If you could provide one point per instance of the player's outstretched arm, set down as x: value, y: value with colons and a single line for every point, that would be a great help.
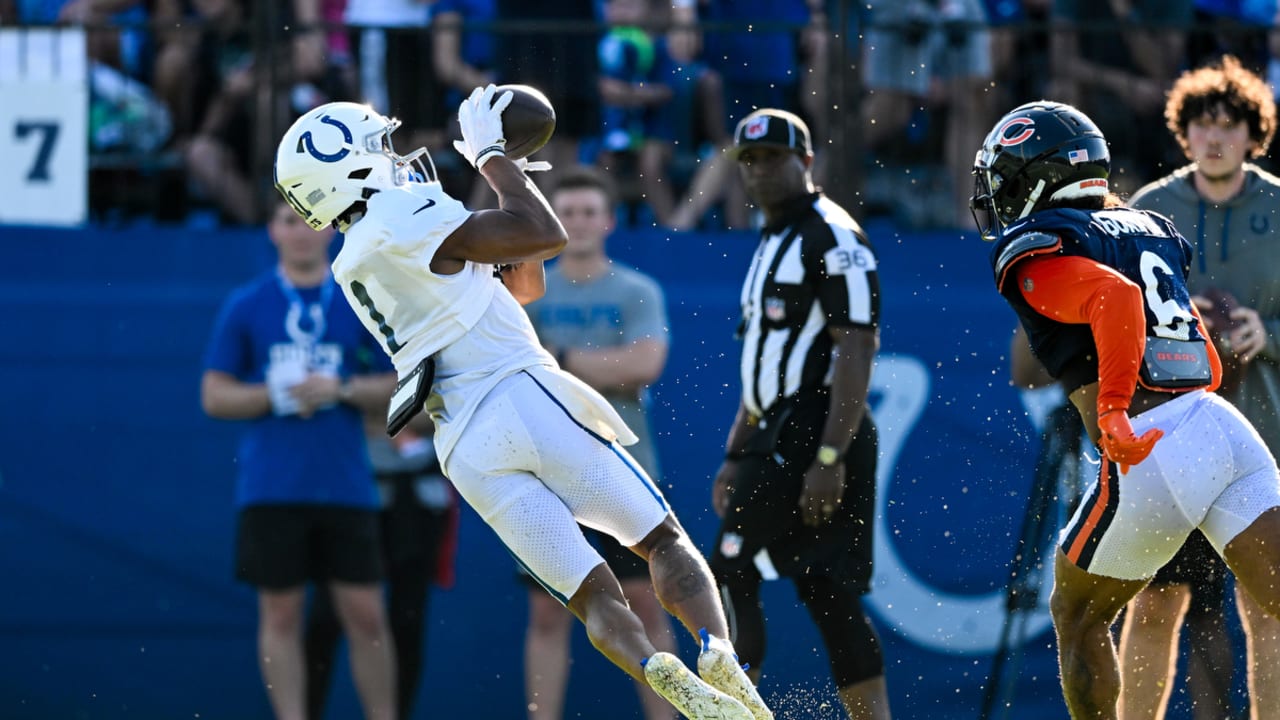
x: 523, y: 228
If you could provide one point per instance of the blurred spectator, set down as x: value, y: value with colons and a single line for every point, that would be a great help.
x: 395, y: 48
x: 463, y: 56
x: 1222, y: 116
x: 105, y: 41
x: 930, y: 56
x: 419, y: 523
x: 650, y: 105
x: 1223, y: 27
x: 758, y: 46
x: 229, y: 106
x: 1267, y: 14
x: 463, y: 50
x: 1114, y: 59
x: 769, y: 53
x: 551, y: 46
x: 293, y: 362
x: 123, y: 114
x: 632, y: 98
x: 700, y: 140
x: 1019, y: 50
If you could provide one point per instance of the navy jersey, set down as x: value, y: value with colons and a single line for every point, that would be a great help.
x: 1142, y: 246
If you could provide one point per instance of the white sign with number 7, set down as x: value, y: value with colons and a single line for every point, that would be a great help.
x: 44, y: 108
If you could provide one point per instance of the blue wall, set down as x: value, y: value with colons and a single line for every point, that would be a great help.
x: 116, y: 512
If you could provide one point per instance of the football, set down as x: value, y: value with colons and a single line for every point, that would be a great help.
x: 527, y: 123
x: 1220, y: 324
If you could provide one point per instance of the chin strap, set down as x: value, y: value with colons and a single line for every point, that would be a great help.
x: 1032, y: 199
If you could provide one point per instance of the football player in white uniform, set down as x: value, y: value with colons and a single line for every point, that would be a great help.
x: 533, y: 449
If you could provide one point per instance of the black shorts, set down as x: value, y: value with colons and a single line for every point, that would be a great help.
x: 1196, y: 564
x: 413, y: 528
x: 625, y: 564
x: 284, y: 546
x: 764, y: 511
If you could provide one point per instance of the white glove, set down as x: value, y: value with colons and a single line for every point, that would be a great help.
x: 481, y: 121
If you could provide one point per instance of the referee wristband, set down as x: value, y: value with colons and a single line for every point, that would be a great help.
x: 733, y: 455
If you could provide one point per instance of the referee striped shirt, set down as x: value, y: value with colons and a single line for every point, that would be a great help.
x: 814, y: 268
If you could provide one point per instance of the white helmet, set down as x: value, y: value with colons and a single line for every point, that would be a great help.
x: 339, y: 154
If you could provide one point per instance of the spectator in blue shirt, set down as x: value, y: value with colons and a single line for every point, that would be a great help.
x: 289, y: 358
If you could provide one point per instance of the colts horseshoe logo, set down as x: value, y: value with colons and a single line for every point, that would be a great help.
x: 925, y: 614
x: 305, y: 142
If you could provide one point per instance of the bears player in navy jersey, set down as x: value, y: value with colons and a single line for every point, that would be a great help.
x: 1101, y: 291
x: 532, y: 448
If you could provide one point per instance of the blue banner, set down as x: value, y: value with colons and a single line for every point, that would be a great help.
x: 116, y: 491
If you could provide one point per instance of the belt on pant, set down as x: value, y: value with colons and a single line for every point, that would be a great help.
x: 1144, y: 399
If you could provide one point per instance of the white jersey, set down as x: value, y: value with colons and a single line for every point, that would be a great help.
x: 474, y: 327
x: 476, y: 330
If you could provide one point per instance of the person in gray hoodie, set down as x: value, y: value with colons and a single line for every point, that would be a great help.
x: 1223, y: 115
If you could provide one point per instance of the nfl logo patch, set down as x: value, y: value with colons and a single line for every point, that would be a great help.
x: 775, y: 309
x: 731, y: 545
x: 1077, y: 156
x: 756, y: 129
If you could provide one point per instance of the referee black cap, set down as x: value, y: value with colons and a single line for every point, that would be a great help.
x: 770, y: 127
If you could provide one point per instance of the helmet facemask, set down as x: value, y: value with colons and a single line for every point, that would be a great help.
x: 424, y: 173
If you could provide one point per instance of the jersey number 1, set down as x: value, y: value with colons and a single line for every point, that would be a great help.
x: 389, y: 334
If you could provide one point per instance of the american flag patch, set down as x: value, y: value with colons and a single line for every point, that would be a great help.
x: 1077, y: 156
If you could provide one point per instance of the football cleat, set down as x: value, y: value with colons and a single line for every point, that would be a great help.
x: 694, y: 698
x: 718, y: 665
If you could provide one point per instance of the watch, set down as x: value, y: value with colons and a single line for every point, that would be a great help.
x: 828, y: 455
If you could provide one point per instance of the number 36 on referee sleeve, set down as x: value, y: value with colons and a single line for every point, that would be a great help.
x: 840, y: 260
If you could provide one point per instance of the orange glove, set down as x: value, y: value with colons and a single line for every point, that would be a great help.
x: 1119, y: 443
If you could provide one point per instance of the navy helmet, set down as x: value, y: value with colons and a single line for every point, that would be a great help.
x: 1038, y: 153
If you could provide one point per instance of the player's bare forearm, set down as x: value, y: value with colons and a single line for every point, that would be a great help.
x: 1025, y: 369
x: 369, y: 393
x: 526, y: 281
x: 225, y: 397
x: 522, y: 229
x: 739, y: 431
x: 528, y: 209
x: 850, y: 383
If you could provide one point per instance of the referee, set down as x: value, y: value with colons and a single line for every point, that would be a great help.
x: 796, y: 491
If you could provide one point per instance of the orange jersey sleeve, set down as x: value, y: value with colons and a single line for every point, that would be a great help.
x: 1077, y: 290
